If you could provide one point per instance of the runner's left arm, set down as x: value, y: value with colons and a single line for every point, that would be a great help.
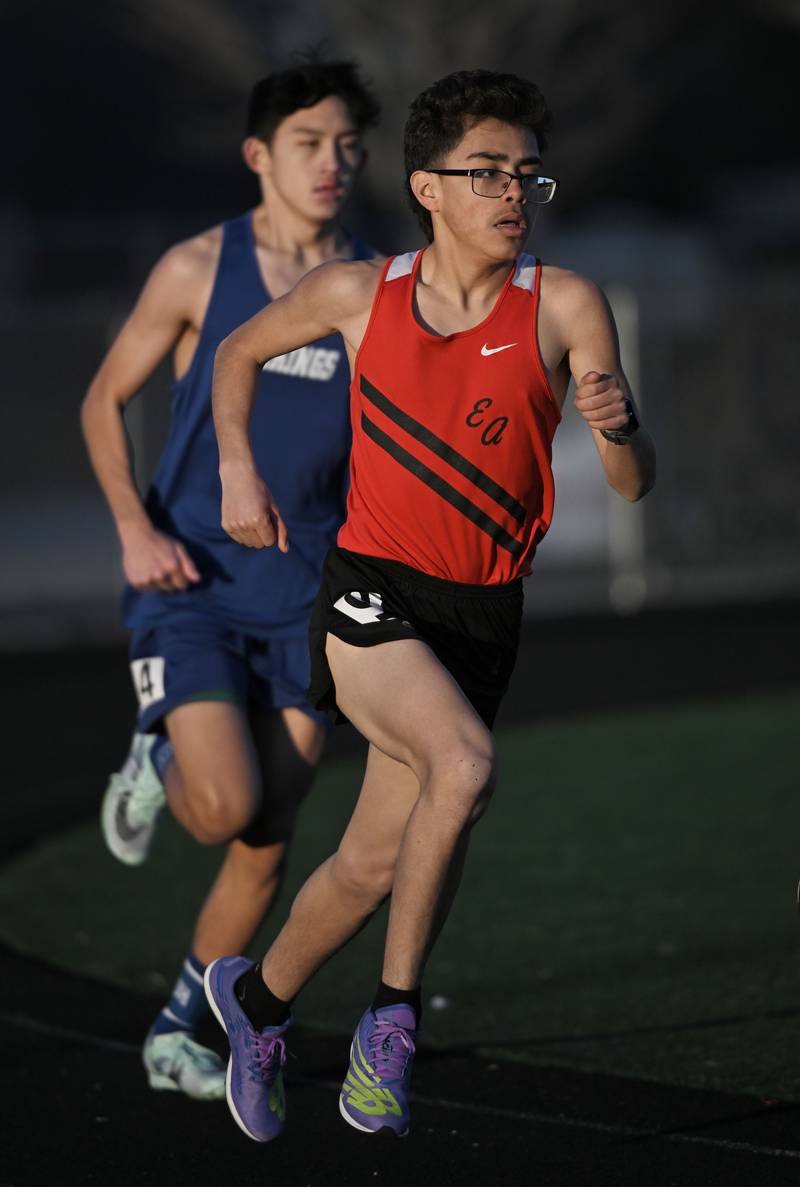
x: 602, y: 389
x: 318, y: 306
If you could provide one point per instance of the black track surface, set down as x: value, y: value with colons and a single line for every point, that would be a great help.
x: 76, y: 1105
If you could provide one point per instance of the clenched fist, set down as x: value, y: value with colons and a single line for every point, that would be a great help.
x: 601, y: 401
x: 152, y: 560
x: 249, y: 513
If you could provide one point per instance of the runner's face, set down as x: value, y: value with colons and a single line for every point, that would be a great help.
x: 314, y: 159
x: 497, y: 226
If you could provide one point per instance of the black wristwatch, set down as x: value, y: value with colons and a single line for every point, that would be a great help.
x: 622, y: 436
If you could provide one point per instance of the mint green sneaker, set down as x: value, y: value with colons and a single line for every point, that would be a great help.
x: 131, y: 804
x: 175, y: 1062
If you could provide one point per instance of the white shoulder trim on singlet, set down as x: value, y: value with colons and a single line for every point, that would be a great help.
x: 525, y: 275
x: 401, y: 265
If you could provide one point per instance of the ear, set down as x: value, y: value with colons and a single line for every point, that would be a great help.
x: 256, y: 155
x: 426, y: 189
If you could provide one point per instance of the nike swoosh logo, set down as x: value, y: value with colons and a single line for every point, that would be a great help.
x: 126, y: 830
x: 486, y: 350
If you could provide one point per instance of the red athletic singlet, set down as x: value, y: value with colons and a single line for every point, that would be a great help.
x: 450, y: 467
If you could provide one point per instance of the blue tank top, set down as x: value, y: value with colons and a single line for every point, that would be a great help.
x: 300, y: 436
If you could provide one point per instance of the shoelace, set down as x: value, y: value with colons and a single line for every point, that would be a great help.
x: 268, y: 1055
x: 391, y: 1047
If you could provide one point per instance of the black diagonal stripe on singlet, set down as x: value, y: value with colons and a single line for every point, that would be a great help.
x: 443, y: 450
x: 448, y: 492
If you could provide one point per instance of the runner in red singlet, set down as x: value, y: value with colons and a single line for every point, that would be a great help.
x: 452, y: 434
x: 461, y: 356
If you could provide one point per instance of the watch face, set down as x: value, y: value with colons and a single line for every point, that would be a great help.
x: 632, y: 424
x: 623, y: 434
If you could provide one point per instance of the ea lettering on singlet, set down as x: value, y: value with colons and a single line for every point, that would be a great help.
x: 496, y: 426
x: 450, y: 470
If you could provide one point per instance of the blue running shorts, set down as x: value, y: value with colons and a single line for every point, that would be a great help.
x: 194, y: 658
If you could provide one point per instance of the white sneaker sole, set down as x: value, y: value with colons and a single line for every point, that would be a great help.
x: 166, y: 1084
x: 161, y: 1083
x: 363, y: 1128
x: 114, y: 843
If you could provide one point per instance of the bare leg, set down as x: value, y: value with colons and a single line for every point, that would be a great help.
x: 213, y: 786
x: 429, y: 774
x: 343, y: 893
x: 401, y: 698
x: 288, y: 745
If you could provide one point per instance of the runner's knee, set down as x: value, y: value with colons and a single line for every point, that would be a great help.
x: 364, y: 875
x: 217, y: 815
x: 461, y: 779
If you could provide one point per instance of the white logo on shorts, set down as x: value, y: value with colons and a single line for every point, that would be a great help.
x: 363, y: 607
x: 148, y: 679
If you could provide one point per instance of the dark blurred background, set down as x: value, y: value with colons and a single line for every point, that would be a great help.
x: 676, y: 146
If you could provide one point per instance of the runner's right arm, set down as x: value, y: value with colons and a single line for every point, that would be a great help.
x: 334, y: 298
x: 151, y: 559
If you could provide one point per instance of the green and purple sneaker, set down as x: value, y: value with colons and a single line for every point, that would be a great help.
x: 374, y: 1096
x: 254, y: 1079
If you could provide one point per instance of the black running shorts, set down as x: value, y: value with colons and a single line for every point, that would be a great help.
x: 473, y: 630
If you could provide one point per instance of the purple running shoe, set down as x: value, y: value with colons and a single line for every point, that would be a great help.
x: 374, y: 1095
x: 254, y: 1080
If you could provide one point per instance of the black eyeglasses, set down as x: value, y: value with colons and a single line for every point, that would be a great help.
x: 493, y: 183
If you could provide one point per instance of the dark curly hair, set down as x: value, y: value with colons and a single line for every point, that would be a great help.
x: 440, y: 116
x: 304, y: 84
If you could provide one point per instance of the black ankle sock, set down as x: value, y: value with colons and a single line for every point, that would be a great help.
x: 387, y: 995
x: 259, y: 1003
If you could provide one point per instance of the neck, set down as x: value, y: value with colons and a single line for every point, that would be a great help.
x: 462, y: 275
x: 280, y: 229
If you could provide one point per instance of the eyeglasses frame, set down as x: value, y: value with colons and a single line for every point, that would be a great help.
x: 520, y: 177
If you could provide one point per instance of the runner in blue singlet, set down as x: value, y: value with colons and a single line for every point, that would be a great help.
x: 219, y: 651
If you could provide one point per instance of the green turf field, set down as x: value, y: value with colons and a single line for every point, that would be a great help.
x: 628, y: 904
